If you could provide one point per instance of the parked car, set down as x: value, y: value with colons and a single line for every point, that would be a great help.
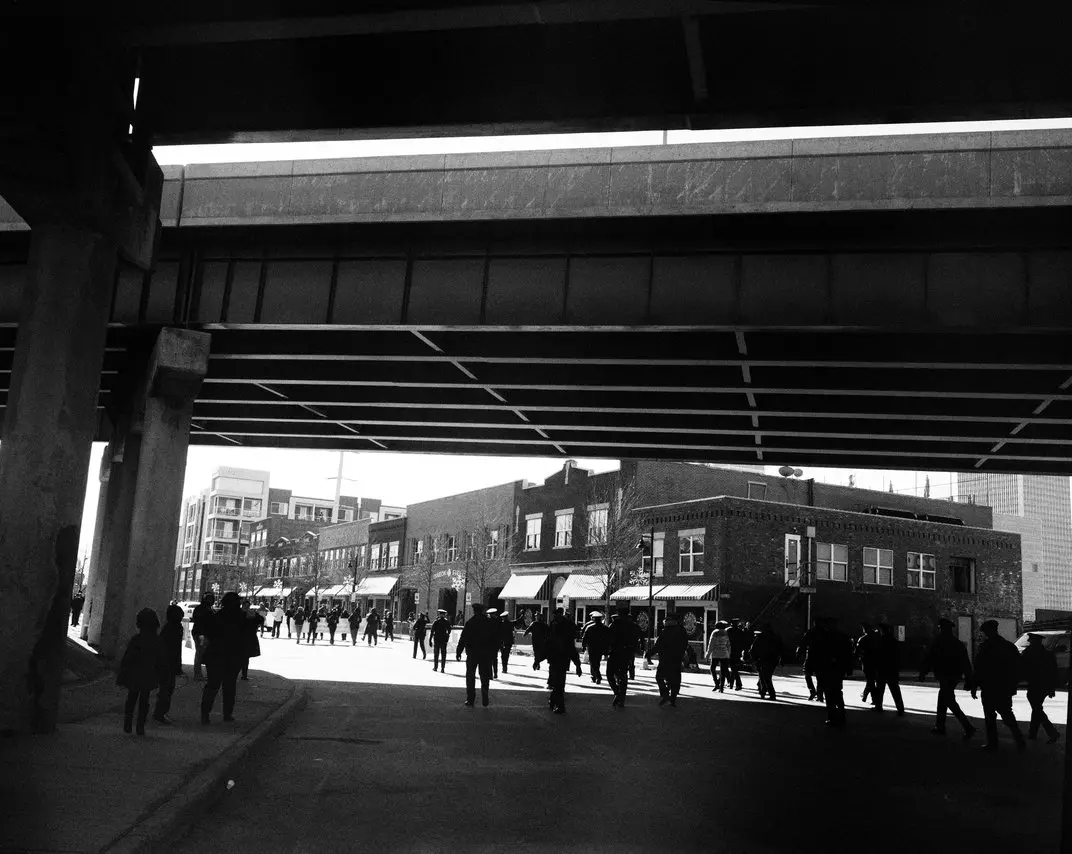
x: 1058, y: 643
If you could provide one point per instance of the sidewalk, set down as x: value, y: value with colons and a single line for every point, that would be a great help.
x: 91, y: 787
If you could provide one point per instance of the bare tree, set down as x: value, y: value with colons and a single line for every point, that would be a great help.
x: 610, y: 529
x: 485, y: 550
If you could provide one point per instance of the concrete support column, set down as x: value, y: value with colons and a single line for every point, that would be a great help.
x: 148, y: 483
x: 47, y: 441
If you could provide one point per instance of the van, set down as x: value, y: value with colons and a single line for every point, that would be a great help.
x: 1056, y: 642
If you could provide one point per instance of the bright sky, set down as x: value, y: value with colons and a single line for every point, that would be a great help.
x: 403, y: 479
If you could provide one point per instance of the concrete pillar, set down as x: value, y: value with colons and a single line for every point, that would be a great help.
x: 44, y: 457
x: 92, y: 592
x: 142, y: 534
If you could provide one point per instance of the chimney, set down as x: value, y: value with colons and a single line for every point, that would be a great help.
x: 569, y: 464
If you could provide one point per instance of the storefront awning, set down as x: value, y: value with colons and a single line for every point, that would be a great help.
x: 579, y: 586
x: 377, y: 585
x: 524, y: 587
x: 696, y: 592
x: 639, y: 592
x: 334, y: 590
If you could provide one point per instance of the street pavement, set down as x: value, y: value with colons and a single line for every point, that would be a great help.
x: 386, y: 758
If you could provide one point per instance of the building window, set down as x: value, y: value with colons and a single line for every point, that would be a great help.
x: 831, y: 562
x: 228, y: 506
x: 278, y: 508
x: 418, y: 550
x: 532, y: 532
x: 452, y: 548
x: 921, y: 570
x: 322, y: 514
x: 346, y: 514
x: 391, y: 554
x: 470, y: 546
x: 756, y: 490
x: 597, y: 524
x: 1034, y: 567
x: 437, y: 549
x: 491, y: 547
x: 660, y: 538
x: 224, y: 530
x: 563, y: 529
x: 963, y: 571
x: 303, y: 511
x: 374, y: 555
x: 251, y: 508
x: 691, y: 549
x: 878, y: 566
x: 792, y: 558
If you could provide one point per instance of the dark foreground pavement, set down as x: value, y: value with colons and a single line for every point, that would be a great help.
x: 91, y: 787
x: 408, y: 768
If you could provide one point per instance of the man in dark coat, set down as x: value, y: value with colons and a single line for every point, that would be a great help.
x: 1039, y: 667
x: 737, y: 648
x: 77, y: 603
x: 169, y: 661
x: 807, y: 658
x: 594, y: 642
x: 420, y: 629
x: 355, y: 625
x: 480, y: 641
x: 441, y: 630
x: 623, y: 638
x: 372, y: 628
x: 997, y: 666
x: 201, y: 621
x: 670, y: 647
x: 561, y: 651
x: 225, y: 650
x: 506, y: 639
x: 538, y: 630
x: 867, y: 655
x: 333, y: 624
x: 137, y: 669
x: 766, y: 654
x: 833, y: 655
x: 948, y: 658
x: 888, y: 669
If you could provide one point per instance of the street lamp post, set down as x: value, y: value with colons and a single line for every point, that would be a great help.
x: 651, y: 583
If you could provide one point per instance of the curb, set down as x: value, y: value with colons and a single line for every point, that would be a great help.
x: 192, y: 796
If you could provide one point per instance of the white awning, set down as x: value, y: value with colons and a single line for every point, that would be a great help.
x: 639, y: 592
x: 523, y: 587
x: 334, y: 590
x: 579, y: 586
x: 687, y: 591
x: 377, y: 585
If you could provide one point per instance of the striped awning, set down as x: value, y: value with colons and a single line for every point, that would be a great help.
x: 580, y: 586
x: 696, y: 592
x: 377, y: 585
x: 638, y: 592
x: 525, y: 587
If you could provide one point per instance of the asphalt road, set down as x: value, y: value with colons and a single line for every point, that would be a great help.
x: 386, y: 758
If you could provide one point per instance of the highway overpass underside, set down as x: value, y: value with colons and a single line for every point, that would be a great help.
x: 905, y: 339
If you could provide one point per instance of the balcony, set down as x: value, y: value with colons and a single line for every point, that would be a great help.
x: 226, y: 511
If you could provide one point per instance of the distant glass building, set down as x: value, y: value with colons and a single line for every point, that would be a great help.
x: 1046, y: 501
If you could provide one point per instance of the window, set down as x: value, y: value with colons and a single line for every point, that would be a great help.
x: 1034, y: 567
x: 962, y: 569
x: 391, y: 554
x: 470, y: 546
x: 921, y: 570
x: 437, y: 549
x: 346, y: 514
x: 303, y: 511
x: 597, y: 524
x: 658, y: 549
x: 224, y: 530
x: 757, y: 490
x: 532, y: 532
x: 491, y: 547
x: 691, y: 548
x: 322, y: 514
x: 792, y: 558
x: 878, y: 566
x: 831, y: 562
x: 251, y: 508
x: 418, y: 550
x: 452, y: 548
x: 563, y: 529
x: 374, y: 555
x: 279, y: 508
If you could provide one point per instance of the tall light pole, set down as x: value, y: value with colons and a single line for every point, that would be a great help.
x: 651, y: 583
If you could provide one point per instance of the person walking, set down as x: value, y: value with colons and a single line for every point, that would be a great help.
x: 538, y: 630
x: 354, y: 622
x: 888, y: 669
x: 372, y: 628
x: 506, y: 639
x: 948, y: 658
x: 805, y: 656
x: 719, y: 650
x: 623, y: 638
x: 594, y: 642
x: 1039, y: 667
x: 333, y: 623
x: 299, y: 621
x: 997, y: 666
x: 168, y: 662
x: 493, y: 615
x: 737, y: 648
x: 200, y: 621
x: 867, y: 655
x: 251, y: 645
x: 833, y: 653
x: 561, y: 650
x: 78, y: 602
x: 267, y: 619
x: 441, y: 630
x: 137, y: 669
x: 766, y: 654
x: 225, y: 652
x: 420, y: 629
x: 279, y: 616
x: 389, y: 626
x: 480, y: 641
x: 670, y: 647
x: 289, y: 613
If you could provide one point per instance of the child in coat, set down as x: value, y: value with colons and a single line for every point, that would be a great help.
x: 137, y: 670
